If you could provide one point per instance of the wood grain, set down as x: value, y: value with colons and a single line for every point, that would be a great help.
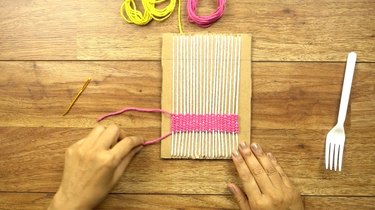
x: 24, y: 201
x: 92, y: 30
x: 294, y: 105
x: 32, y: 161
x: 286, y: 95
x: 49, y: 48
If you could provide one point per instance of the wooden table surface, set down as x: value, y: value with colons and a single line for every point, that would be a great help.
x: 49, y: 48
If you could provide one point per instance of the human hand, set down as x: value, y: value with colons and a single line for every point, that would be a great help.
x: 266, y: 187
x: 93, y: 166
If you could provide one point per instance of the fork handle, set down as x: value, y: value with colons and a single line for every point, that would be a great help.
x: 346, y: 87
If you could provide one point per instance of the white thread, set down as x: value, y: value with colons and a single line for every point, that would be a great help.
x: 198, y: 63
x: 238, y: 81
x: 189, y: 61
x: 230, y: 89
x: 223, y: 77
x: 173, y: 92
x: 227, y: 101
x: 212, y: 73
x: 192, y: 88
x: 234, y: 85
x: 215, y: 92
x: 181, y: 94
x: 207, y: 45
x: 196, y: 49
x: 238, y: 73
x: 194, y: 101
x: 190, y: 103
x: 205, y: 80
x: 204, y: 52
x: 183, y: 141
x: 187, y: 93
x: 220, y: 87
x: 222, y: 93
x: 178, y: 110
x: 226, y: 94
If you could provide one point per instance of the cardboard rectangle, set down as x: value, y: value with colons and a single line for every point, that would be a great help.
x: 244, y: 109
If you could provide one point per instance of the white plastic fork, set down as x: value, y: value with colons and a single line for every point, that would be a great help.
x: 335, y: 140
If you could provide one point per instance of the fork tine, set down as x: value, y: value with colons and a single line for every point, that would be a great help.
x: 336, y: 155
x: 327, y: 152
x: 341, y: 154
x: 332, y: 146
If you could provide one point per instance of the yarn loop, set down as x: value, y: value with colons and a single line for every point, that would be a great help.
x: 204, y: 21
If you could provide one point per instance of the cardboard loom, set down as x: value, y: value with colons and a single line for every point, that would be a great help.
x: 244, y: 109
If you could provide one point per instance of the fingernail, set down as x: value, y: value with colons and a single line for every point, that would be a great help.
x: 254, y: 146
x: 235, y: 153
x: 270, y: 156
x: 257, y: 149
x: 243, y: 145
x: 231, y: 189
x: 138, y: 149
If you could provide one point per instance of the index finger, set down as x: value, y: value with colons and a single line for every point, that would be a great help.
x: 267, y: 165
x: 250, y: 186
x: 255, y: 168
x: 123, y: 147
x: 93, y: 136
x: 108, y: 137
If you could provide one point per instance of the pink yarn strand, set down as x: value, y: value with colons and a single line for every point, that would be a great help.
x: 139, y: 110
x: 131, y: 109
x: 204, y: 21
x: 157, y: 139
x: 188, y: 122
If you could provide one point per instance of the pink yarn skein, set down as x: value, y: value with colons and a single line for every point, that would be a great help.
x: 204, y: 21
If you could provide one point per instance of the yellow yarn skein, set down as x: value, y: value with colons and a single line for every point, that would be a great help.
x: 159, y: 14
x: 131, y: 15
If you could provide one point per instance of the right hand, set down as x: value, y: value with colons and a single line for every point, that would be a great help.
x: 266, y: 187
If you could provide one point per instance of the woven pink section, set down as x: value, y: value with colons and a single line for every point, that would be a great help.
x: 204, y: 122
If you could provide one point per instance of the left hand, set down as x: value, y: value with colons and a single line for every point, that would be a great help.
x: 93, y: 166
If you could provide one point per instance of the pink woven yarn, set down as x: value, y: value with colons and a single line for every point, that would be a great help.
x: 204, y: 122
x: 204, y: 21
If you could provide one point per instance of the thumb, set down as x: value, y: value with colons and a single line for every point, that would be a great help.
x: 240, y: 197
